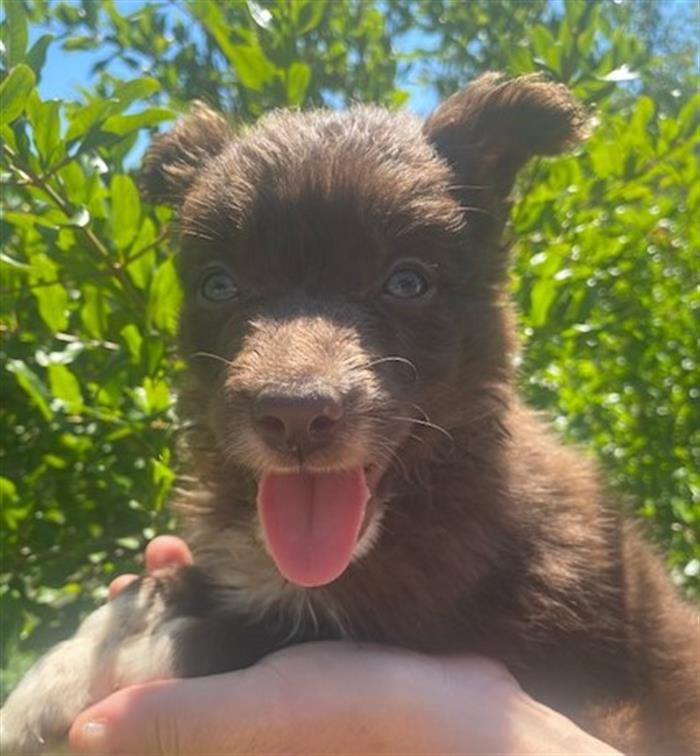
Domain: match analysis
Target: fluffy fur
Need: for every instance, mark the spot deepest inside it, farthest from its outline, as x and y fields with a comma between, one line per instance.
x=484, y=534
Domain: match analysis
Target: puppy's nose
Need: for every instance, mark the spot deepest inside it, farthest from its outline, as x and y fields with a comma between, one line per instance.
x=297, y=422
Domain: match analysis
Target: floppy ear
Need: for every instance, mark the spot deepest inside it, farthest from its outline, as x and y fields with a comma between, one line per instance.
x=174, y=160
x=489, y=129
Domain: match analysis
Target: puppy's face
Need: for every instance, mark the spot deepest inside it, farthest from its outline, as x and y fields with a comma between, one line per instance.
x=340, y=274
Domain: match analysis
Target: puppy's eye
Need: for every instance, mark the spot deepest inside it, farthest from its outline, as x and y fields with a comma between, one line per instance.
x=218, y=286
x=406, y=283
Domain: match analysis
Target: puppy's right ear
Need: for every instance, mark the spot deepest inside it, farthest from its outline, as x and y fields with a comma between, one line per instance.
x=174, y=160
x=491, y=128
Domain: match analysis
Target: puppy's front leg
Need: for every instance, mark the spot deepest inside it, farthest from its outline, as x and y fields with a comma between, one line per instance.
x=130, y=640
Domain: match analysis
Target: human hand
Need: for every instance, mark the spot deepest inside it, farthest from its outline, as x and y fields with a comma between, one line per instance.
x=331, y=698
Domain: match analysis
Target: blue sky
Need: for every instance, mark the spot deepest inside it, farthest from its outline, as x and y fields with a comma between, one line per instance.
x=65, y=72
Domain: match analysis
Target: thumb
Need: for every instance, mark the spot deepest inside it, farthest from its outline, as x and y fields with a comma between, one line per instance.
x=174, y=717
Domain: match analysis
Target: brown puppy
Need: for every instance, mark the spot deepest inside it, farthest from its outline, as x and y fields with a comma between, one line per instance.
x=363, y=466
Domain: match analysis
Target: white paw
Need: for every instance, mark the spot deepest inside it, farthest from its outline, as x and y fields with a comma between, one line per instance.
x=125, y=642
x=39, y=712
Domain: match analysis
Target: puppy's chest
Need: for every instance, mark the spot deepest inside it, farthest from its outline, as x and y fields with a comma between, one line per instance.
x=246, y=584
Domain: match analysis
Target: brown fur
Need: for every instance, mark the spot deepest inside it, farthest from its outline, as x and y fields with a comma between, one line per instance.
x=494, y=538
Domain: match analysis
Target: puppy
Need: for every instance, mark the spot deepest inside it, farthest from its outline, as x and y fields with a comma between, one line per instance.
x=364, y=468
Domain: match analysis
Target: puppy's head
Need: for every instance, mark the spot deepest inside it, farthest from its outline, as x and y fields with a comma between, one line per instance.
x=341, y=312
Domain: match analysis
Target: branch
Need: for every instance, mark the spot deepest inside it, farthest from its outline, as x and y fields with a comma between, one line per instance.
x=99, y=274
x=68, y=210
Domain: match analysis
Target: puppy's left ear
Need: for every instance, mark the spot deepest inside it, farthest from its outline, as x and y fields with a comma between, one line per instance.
x=175, y=159
x=489, y=129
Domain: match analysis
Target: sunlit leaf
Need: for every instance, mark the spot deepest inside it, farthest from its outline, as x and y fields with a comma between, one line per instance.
x=93, y=313
x=36, y=56
x=136, y=89
x=126, y=210
x=622, y=74
x=84, y=117
x=51, y=296
x=46, y=126
x=164, y=297
x=14, y=92
x=298, y=78
x=30, y=382
x=65, y=387
x=123, y=124
x=16, y=40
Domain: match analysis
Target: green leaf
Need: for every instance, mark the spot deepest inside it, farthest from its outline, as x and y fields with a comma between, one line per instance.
x=164, y=298
x=163, y=477
x=87, y=116
x=541, y=299
x=133, y=340
x=124, y=124
x=46, y=125
x=690, y=115
x=10, y=261
x=154, y=395
x=32, y=385
x=143, y=265
x=64, y=386
x=137, y=89
x=16, y=20
x=308, y=14
x=93, y=313
x=14, y=92
x=7, y=135
x=546, y=46
x=84, y=42
x=639, y=124
x=252, y=67
x=298, y=78
x=126, y=210
x=8, y=491
x=74, y=182
x=52, y=299
x=36, y=57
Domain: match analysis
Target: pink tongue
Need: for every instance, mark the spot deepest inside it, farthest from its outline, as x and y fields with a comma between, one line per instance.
x=312, y=521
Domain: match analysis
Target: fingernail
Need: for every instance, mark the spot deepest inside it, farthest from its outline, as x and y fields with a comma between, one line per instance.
x=92, y=735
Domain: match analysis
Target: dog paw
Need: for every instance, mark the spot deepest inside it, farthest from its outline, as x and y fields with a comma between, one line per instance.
x=133, y=639
x=39, y=712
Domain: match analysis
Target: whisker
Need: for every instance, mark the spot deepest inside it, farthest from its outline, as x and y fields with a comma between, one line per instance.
x=420, y=409
x=421, y=441
x=195, y=235
x=212, y=356
x=471, y=186
x=427, y=423
x=388, y=454
x=471, y=209
x=192, y=226
x=401, y=360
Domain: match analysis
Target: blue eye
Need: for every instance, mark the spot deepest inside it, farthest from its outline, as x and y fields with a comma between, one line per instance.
x=218, y=286
x=406, y=283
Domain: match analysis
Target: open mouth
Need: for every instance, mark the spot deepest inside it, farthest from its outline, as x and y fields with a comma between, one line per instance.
x=313, y=521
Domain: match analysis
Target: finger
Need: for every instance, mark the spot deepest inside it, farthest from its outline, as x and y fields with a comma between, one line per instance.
x=164, y=551
x=212, y=715
x=119, y=584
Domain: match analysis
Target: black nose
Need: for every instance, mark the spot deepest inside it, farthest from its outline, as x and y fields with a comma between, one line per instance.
x=297, y=422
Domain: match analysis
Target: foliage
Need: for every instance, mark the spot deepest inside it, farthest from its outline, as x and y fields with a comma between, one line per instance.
x=605, y=266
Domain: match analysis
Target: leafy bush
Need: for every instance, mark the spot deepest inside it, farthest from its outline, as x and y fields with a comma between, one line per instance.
x=605, y=265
